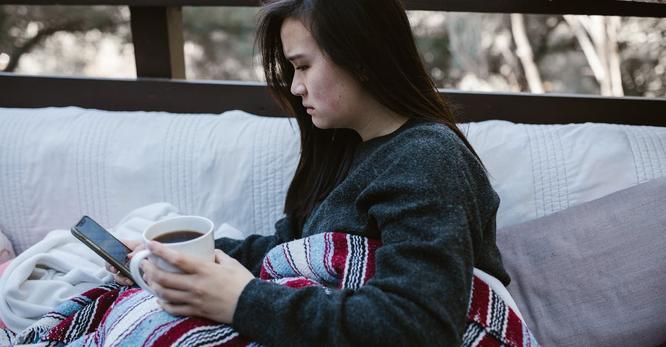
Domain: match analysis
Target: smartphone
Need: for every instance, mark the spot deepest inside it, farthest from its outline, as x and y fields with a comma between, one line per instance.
x=103, y=243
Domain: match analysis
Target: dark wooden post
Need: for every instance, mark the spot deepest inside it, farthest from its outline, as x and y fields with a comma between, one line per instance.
x=157, y=33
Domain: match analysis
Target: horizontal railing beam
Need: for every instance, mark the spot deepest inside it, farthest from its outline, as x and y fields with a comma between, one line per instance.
x=184, y=96
x=591, y=7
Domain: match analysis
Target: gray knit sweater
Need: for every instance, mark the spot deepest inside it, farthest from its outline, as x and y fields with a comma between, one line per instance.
x=424, y=195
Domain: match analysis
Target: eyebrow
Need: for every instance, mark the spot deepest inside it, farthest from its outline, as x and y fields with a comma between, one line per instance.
x=295, y=56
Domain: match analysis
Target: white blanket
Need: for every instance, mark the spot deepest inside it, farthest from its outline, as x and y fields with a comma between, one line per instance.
x=60, y=267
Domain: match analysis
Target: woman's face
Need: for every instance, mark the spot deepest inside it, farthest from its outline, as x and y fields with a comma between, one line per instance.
x=334, y=99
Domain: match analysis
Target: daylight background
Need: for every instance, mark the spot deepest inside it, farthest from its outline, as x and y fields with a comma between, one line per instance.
x=479, y=52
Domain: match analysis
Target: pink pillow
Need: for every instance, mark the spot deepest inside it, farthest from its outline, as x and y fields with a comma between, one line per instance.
x=6, y=249
x=3, y=267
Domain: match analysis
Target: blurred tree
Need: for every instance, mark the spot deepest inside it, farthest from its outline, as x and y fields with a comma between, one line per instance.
x=484, y=52
x=220, y=43
x=597, y=37
x=22, y=28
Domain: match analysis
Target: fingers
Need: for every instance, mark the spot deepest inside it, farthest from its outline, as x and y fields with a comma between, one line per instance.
x=123, y=280
x=174, y=296
x=136, y=250
x=183, y=262
x=177, y=310
x=132, y=244
x=117, y=276
x=153, y=274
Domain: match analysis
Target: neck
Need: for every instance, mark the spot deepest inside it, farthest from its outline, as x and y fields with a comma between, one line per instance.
x=379, y=123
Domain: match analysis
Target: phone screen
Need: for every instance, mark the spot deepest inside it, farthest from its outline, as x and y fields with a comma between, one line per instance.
x=103, y=239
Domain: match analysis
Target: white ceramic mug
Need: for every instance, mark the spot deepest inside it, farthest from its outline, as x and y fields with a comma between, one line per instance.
x=202, y=247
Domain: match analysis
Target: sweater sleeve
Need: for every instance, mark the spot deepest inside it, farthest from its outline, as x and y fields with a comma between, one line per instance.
x=425, y=205
x=251, y=251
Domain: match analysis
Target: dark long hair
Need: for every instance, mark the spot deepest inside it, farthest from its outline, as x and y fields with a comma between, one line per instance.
x=371, y=39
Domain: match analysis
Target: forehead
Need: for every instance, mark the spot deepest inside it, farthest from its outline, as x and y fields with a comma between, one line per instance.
x=296, y=38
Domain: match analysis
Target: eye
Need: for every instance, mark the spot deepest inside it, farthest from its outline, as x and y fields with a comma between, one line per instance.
x=302, y=67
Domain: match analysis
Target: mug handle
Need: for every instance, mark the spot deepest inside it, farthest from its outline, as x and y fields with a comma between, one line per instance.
x=136, y=272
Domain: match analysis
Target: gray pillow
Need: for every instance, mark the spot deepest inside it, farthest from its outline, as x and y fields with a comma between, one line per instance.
x=593, y=274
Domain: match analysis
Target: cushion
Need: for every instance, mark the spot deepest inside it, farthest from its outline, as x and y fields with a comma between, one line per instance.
x=539, y=169
x=3, y=267
x=594, y=274
x=58, y=164
x=6, y=249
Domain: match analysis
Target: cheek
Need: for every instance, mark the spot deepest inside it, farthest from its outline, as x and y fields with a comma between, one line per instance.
x=328, y=94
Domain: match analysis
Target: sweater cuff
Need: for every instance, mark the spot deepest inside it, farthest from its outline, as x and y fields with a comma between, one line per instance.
x=256, y=308
x=225, y=244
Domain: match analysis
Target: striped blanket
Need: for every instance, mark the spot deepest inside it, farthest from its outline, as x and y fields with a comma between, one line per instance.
x=114, y=315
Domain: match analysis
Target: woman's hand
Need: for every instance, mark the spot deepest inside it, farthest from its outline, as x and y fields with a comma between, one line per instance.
x=204, y=289
x=135, y=246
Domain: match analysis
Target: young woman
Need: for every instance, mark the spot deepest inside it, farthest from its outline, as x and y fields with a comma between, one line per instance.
x=381, y=157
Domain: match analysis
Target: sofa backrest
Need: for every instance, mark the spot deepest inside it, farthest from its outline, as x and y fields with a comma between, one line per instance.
x=57, y=164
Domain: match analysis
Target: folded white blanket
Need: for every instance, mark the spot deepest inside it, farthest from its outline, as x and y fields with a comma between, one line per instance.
x=60, y=267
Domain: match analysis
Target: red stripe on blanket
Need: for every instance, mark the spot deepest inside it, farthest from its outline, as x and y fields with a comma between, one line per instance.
x=105, y=299
x=188, y=325
x=488, y=341
x=514, y=329
x=328, y=240
x=180, y=329
x=300, y=282
x=340, y=252
x=370, y=270
x=480, y=302
x=95, y=293
x=265, y=268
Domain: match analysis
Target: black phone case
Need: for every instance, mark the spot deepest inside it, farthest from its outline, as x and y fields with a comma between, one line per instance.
x=121, y=267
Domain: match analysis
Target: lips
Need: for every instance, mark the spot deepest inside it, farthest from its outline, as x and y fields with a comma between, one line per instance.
x=309, y=109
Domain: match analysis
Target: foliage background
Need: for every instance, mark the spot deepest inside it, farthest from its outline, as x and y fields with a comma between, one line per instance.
x=481, y=52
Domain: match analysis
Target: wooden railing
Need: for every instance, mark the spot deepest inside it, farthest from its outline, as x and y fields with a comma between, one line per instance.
x=157, y=35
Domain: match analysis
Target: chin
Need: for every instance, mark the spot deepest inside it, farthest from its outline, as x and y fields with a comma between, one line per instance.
x=321, y=124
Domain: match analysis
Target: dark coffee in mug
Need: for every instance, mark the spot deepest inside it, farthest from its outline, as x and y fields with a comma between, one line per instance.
x=178, y=236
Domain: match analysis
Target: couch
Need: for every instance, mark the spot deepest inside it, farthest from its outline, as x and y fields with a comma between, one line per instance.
x=581, y=223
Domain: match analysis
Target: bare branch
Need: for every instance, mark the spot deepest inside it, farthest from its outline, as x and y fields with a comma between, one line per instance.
x=614, y=57
x=587, y=47
x=524, y=53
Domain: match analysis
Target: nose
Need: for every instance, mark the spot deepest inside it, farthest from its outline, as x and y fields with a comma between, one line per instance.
x=297, y=86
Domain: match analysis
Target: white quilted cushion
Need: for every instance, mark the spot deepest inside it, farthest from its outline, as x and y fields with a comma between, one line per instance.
x=541, y=169
x=57, y=164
